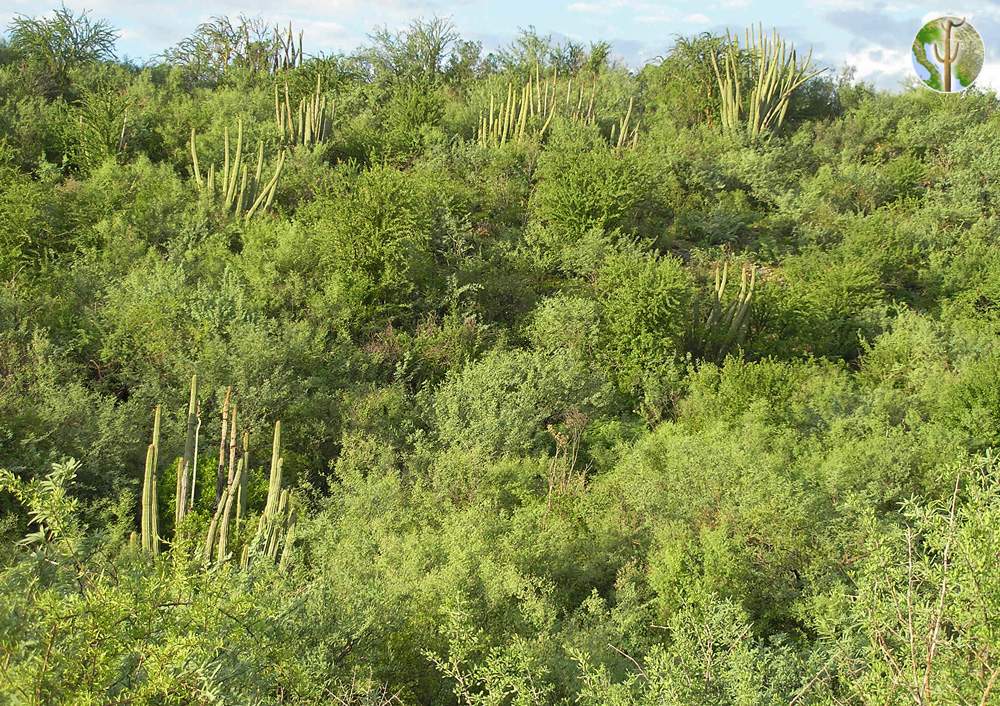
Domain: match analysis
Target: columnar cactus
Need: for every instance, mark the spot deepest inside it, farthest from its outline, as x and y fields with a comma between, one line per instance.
x=775, y=74
x=220, y=473
x=241, y=505
x=529, y=111
x=625, y=137
x=186, y=468
x=217, y=537
x=278, y=516
x=238, y=192
x=275, y=529
x=309, y=124
x=150, y=541
x=727, y=325
x=150, y=524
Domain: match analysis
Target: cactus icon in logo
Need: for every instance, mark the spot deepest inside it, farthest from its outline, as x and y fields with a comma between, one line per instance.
x=948, y=54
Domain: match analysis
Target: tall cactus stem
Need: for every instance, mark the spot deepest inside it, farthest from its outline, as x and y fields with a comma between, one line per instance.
x=220, y=473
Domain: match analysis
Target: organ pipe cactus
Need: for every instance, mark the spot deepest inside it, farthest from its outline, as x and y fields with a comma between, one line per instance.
x=274, y=482
x=727, y=324
x=775, y=72
x=275, y=530
x=217, y=537
x=238, y=191
x=308, y=125
x=149, y=539
x=241, y=505
x=150, y=524
x=220, y=473
x=233, y=488
x=529, y=110
x=278, y=516
x=625, y=137
x=185, y=469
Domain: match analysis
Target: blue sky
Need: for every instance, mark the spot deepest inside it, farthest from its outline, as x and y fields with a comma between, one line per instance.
x=873, y=35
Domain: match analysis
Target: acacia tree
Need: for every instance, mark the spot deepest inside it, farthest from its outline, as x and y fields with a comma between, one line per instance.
x=420, y=53
x=245, y=43
x=53, y=46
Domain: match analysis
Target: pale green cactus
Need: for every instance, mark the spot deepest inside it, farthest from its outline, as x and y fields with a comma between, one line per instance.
x=528, y=112
x=775, y=74
x=239, y=193
x=275, y=530
x=309, y=125
x=186, y=477
x=150, y=523
x=727, y=324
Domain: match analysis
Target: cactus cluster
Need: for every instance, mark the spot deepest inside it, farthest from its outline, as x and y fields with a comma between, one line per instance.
x=238, y=190
x=276, y=526
x=286, y=54
x=275, y=530
x=309, y=124
x=621, y=136
x=774, y=74
x=150, y=523
x=528, y=112
x=727, y=325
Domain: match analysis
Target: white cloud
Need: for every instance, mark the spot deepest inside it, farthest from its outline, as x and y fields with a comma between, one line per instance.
x=840, y=5
x=885, y=67
x=601, y=7
x=989, y=77
x=657, y=17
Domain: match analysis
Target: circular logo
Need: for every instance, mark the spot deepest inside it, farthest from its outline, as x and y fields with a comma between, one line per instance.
x=948, y=54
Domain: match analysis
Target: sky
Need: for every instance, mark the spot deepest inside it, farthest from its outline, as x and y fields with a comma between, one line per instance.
x=873, y=36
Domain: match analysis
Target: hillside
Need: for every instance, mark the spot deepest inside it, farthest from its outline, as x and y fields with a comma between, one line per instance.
x=591, y=389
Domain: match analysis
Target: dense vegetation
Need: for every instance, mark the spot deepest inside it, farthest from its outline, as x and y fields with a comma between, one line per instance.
x=587, y=393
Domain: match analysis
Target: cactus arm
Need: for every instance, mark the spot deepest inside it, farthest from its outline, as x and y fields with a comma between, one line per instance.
x=241, y=506
x=190, y=448
x=194, y=160
x=220, y=470
x=237, y=161
x=155, y=526
x=148, y=506
x=194, y=466
x=225, y=163
x=222, y=554
x=179, y=498
x=232, y=447
x=274, y=483
x=289, y=540
x=277, y=113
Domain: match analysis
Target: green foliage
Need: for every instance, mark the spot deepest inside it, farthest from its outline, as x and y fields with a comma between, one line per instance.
x=588, y=196
x=645, y=317
x=424, y=54
x=540, y=443
x=771, y=72
x=248, y=45
x=501, y=403
x=52, y=46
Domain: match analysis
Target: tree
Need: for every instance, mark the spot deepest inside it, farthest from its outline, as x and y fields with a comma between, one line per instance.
x=419, y=54
x=53, y=46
